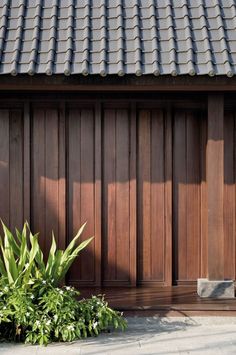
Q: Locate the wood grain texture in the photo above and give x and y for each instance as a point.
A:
(46, 203)
(4, 166)
(98, 194)
(229, 195)
(215, 181)
(178, 301)
(154, 197)
(136, 170)
(187, 177)
(168, 199)
(27, 166)
(133, 196)
(116, 197)
(179, 196)
(81, 189)
(11, 167)
(62, 176)
(204, 202)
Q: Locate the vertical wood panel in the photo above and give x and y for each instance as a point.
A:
(229, 196)
(109, 195)
(87, 258)
(16, 170)
(179, 195)
(62, 178)
(204, 203)
(193, 203)
(98, 194)
(4, 165)
(187, 176)
(116, 196)
(27, 167)
(133, 196)
(157, 196)
(73, 181)
(12, 167)
(81, 190)
(51, 175)
(98, 183)
(152, 222)
(37, 175)
(215, 179)
(144, 195)
(47, 205)
(168, 198)
(122, 177)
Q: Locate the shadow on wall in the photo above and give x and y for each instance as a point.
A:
(63, 204)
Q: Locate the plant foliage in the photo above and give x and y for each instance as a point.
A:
(44, 313)
(33, 308)
(22, 258)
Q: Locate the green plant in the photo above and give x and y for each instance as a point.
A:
(44, 313)
(32, 308)
(21, 263)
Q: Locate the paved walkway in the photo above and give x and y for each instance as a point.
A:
(149, 336)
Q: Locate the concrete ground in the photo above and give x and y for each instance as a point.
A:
(149, 336)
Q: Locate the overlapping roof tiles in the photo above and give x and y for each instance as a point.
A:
(158, 37)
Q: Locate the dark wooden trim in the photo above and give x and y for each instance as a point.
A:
(27, 182)
(143, 100)
(185, 283)
(168, 198)
(204, 206)
(215, 181)
(153, 283)
(133, 199)
(98, 193)
(62, 177)
(116, 283)
(114, 83)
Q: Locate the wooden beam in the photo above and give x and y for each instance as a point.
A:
(215, 182)
(133, 197)
(113, 83)
(62, 176)
(98, 194)
(27, 168)
(168, 198)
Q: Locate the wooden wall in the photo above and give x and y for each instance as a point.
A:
(189, 195)
(135, 171)
(229, 194)
(12, 207)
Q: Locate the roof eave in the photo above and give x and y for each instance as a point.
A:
(95, 83)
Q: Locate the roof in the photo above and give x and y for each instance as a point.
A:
(159, 37)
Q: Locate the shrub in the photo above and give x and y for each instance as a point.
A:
(19, 263)
(32, 308)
